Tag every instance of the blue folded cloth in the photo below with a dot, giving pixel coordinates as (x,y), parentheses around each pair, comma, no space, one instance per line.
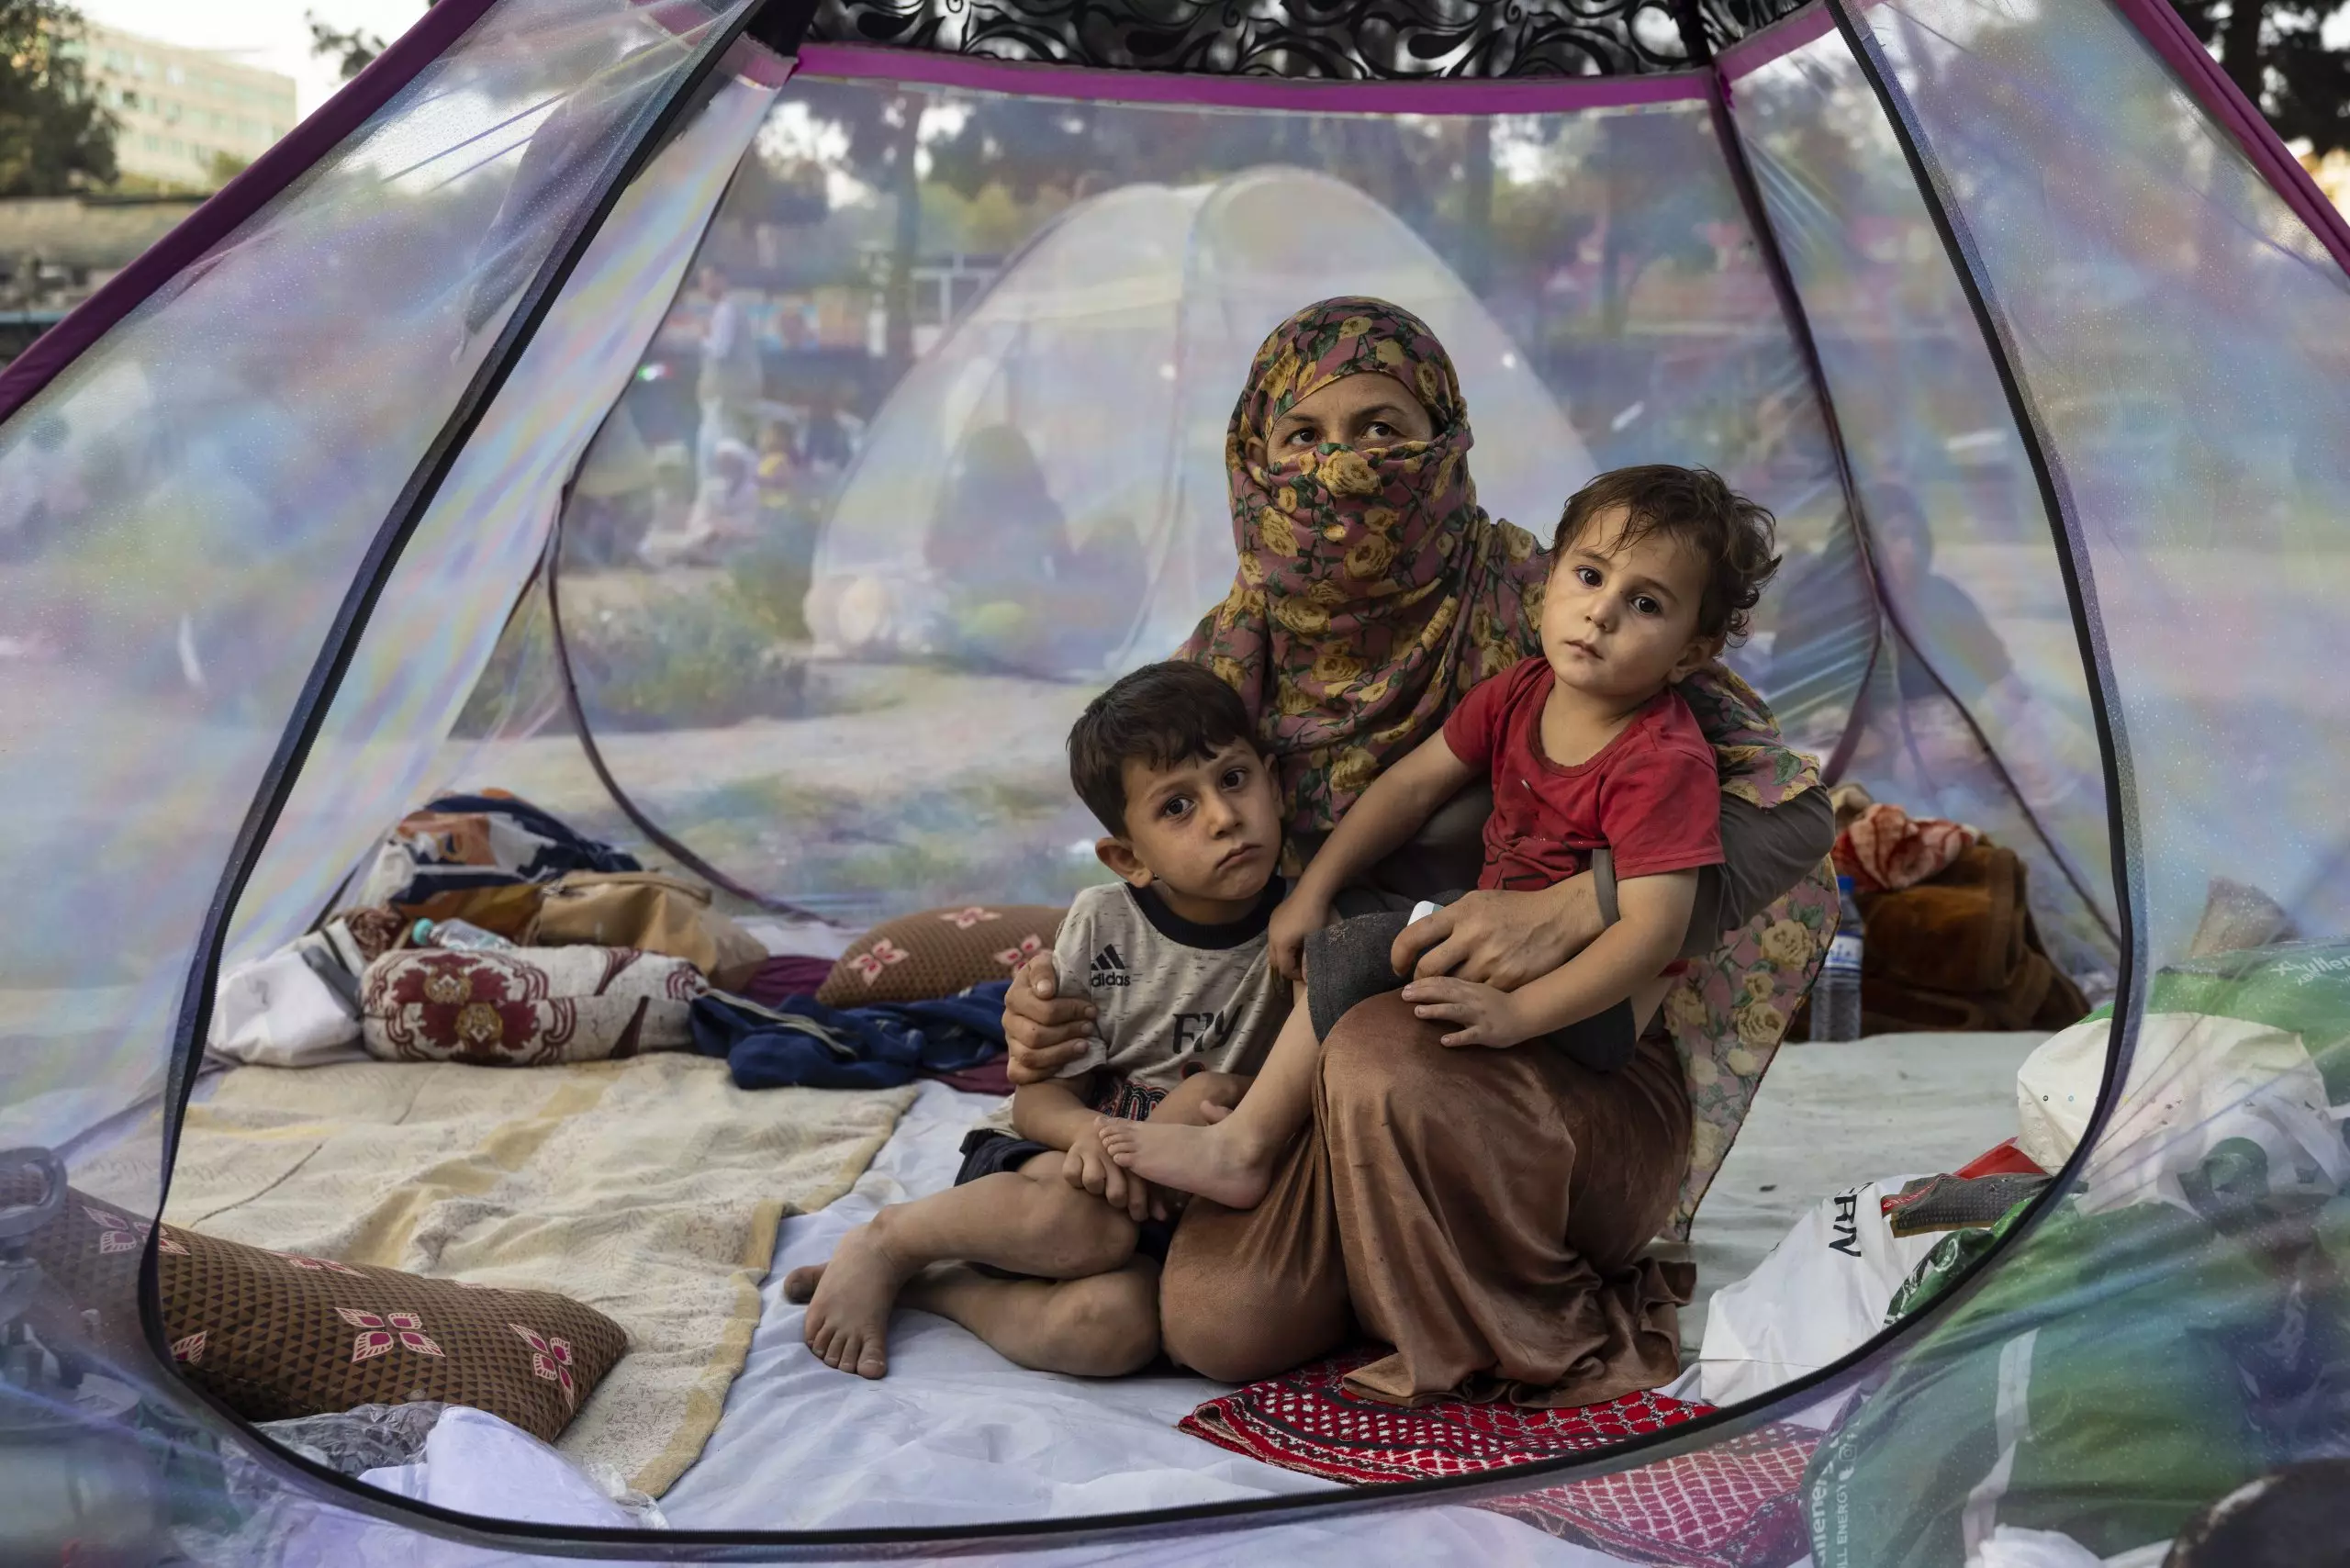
(805,1044)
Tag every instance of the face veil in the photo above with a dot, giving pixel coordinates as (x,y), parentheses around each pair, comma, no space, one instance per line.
(1373,590)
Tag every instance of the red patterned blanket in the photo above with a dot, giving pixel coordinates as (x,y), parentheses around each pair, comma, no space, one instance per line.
(1736,1505)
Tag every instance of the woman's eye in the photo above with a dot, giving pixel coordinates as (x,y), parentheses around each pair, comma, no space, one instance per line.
(1587,575)
(1302,436)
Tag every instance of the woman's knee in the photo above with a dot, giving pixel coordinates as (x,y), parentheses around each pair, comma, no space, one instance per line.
(1380,1055)
(1229,1326)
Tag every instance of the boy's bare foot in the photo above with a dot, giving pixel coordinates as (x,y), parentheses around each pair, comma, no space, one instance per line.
(1213,1163)
(849,1299)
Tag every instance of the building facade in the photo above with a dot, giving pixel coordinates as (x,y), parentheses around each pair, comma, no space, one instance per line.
(188,118)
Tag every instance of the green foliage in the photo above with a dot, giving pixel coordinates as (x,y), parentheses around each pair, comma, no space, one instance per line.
(2277,52)
(766,587)
(682,661)
(354,50)
(55,138)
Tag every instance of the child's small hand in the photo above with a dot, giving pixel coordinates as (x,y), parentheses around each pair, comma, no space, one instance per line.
(1486,1016)
(1088,1165)
(1298,917)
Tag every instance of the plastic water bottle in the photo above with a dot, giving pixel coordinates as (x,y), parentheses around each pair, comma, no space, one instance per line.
(458,936)
(1836,993)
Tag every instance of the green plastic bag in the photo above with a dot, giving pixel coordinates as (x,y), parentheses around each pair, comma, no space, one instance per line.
(2300,986)
(2095,1385)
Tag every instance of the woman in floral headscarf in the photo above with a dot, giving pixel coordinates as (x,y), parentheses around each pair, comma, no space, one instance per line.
(1484,1212)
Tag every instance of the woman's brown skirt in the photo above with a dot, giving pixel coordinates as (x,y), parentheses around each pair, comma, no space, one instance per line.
(1484,1212)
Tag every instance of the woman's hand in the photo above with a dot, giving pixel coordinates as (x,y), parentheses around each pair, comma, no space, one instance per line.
(1486,1016)
(1300,915)
(1499,939)
(1042,1030)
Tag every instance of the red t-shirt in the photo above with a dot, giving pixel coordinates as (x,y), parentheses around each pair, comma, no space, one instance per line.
(1652,795)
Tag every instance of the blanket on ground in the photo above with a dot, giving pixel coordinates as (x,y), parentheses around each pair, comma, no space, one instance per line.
(1959,951)
(1735,1504)
(650,1189)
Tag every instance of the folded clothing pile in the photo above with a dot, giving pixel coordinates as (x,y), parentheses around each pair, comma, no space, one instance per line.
(1882,848)
(801,1043)
(583,956)
(919,995)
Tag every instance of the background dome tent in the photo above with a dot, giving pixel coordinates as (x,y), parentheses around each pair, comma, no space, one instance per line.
(1139,306)
(1849,250)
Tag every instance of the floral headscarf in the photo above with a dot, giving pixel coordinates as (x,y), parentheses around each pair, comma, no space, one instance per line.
(1373,591)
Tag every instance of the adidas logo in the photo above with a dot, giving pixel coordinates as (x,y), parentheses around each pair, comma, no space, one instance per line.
(1110,967)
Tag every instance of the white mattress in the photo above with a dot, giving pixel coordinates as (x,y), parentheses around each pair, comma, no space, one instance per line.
(956,1435)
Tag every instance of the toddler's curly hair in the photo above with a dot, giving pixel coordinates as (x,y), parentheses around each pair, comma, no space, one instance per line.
(1733,535)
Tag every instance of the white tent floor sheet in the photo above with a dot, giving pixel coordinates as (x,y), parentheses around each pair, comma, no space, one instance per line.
(956,1435)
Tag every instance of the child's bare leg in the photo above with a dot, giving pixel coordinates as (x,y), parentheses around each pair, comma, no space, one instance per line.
(1030,1221)
(1231,1162)
(1201,1100)
(1100,1326)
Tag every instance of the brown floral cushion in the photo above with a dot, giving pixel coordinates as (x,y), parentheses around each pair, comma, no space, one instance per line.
(274,1334)
(525,1007)
(939,952)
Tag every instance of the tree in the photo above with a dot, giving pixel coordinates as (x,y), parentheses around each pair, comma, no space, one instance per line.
(354,50)
(2277,54)
(55,137)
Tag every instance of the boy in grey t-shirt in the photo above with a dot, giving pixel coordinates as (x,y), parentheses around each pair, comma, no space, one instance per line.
(1062,1246)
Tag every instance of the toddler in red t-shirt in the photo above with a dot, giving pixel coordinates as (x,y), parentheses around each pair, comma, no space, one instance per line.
(1654,570)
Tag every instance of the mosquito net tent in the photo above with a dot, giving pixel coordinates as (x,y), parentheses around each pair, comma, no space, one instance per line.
(1164,289)
(431,451)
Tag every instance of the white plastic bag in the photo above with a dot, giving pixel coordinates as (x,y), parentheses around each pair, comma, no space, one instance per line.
(476,1463)
(279,1011)
(2197,1080)
(1819,1295)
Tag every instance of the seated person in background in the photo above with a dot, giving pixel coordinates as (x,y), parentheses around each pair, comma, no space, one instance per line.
(1588,749)
(1175,954)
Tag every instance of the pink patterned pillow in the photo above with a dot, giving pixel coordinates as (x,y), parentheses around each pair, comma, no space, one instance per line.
(938,952)
(526,1006)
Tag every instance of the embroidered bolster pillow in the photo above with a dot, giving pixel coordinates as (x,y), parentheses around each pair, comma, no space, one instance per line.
(525,1007)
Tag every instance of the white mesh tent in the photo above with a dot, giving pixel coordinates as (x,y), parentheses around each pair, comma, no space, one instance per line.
(1142,304)
(2017,317)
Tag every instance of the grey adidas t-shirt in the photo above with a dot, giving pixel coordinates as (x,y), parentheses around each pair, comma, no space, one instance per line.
(1169,992)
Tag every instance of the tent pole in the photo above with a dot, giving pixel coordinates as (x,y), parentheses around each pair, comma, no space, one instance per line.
(341,643)
(1798,324)
(2055,497)
(668,844)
